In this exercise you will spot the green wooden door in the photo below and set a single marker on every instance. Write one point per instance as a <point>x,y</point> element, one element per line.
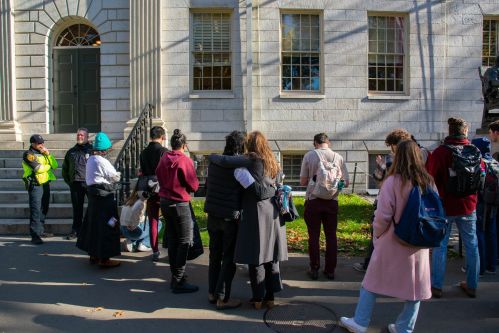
<point>76,89</point>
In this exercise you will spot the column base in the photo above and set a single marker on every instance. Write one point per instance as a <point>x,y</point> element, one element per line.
<point>131,123</point>
<point>10,135</point>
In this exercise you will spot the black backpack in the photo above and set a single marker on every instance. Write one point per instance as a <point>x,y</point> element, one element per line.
<point>466,176</point>
<point>490,192</point>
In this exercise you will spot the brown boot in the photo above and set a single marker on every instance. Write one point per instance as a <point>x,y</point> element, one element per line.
<point>468,291</point>
<point>93,260</point>
<point>228,304</point>
<point>108,263</point>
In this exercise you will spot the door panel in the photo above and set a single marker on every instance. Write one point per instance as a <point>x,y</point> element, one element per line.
<point>76,89</point>
<point>65,93</point>
<point>89,88</point>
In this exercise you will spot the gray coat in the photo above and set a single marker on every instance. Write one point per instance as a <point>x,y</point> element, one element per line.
<point>260,238</point>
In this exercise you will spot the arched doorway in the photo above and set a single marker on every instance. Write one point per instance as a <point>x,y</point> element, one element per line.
<point>76,79</point>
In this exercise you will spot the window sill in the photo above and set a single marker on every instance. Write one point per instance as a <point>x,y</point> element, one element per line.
<point>389,97</point>
<point>302,96</point>
<point>217,94</point>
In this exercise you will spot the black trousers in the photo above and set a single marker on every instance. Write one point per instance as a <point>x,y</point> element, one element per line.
<point>221,270</point>
<point>78,193</point>
<point>265,280</point>
<point>179,228</point>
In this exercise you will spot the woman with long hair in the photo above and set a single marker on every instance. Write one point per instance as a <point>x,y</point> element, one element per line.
<point>177,179</point>
<point>395,269</point>
<point>261,240</point>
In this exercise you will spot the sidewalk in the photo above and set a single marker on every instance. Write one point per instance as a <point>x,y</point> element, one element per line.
<point>52,288</point>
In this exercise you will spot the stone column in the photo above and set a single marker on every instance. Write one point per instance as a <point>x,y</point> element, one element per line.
<point>8,127</point>
<point>145,56</point>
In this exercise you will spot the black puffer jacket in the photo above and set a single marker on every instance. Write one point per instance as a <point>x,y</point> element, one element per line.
<point>223,193</point>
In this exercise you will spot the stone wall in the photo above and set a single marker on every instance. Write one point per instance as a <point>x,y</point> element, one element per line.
<point>35,24</point>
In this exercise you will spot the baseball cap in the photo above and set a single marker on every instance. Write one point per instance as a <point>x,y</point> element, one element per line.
<point>36,138</point>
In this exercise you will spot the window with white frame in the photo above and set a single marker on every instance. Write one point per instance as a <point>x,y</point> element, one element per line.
<point>489,46</point>
<point>291,165</point>
<point>211,51</point>
<point>300,52</point>
<point>387,54</point>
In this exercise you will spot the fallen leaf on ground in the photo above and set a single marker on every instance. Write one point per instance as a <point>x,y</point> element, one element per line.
<point>99,308</point>
<point>118,314</point>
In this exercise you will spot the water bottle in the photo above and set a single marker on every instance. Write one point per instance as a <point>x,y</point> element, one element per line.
<point>341,184</point>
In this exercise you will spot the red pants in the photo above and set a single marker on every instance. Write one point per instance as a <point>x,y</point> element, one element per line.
<point>152,208</point>
<point>325,212</point>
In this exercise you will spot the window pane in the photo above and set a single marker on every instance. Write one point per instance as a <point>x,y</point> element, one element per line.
<point>300,34</point>
<point>489,46</point>
<point>286,71</point>
<point>212,57</point>
<point>217,71</point>
<point>206,84</point>
<point>386,53</point>
<point>286,83</point>
<point>305,84</point>
<point>197,71</point>
<point>305,71</point>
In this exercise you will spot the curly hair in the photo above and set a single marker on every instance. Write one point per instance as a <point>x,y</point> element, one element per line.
<point>397,135</point>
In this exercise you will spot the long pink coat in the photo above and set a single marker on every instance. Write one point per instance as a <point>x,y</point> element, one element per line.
<point>396,270</point>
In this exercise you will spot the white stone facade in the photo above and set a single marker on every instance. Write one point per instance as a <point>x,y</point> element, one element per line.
<point>444,50</point>
<point>36,25</point>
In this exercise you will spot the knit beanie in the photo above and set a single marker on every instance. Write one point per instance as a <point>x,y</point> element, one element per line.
<point>102,142</point>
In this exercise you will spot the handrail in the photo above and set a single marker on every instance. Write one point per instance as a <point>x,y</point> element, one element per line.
<point>128,160</point>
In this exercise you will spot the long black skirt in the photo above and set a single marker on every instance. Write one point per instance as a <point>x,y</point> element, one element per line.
<point>96,237</point>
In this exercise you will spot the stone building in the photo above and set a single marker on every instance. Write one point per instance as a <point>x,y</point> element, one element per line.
<point>354,69</point>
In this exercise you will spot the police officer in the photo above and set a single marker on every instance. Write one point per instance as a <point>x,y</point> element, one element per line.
<point>38,166</point>
<point>73,172</point>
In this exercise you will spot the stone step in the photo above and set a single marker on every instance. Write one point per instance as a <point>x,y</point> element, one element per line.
<point>21,210</point>
<point>21,196</point>
<point>17,173</point>
<point>18,184</point>
<point>21,226</point>
<point>58,153</point>
<point>16,162</point>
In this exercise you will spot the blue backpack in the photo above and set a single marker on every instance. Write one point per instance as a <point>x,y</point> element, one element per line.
<point>423,223</point>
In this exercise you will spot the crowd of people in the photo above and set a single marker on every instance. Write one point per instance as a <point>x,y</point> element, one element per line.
<point>243,218</point>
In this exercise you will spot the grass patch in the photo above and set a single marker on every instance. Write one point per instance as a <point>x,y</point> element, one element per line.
<point>353,225</point>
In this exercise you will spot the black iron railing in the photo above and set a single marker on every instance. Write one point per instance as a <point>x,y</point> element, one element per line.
<point>128,160</point>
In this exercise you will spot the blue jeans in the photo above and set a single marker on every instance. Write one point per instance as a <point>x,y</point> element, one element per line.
<point>486,233</point>
<point>39,198</point>
<point>137,235</point>
<point>467,229</point>
<point>405,321</point>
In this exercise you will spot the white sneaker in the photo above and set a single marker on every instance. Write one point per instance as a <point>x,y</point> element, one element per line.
<point>352,326</point>
<point>129,245</point>
<point>392,328</point>
<point>142,248</point>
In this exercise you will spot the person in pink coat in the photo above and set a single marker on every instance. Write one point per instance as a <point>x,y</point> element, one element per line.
<point>395,270</point>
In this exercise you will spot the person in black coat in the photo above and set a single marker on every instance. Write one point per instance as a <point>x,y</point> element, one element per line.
<point>261,239</point>
<point>73,172</point>
<point>149,159</point>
